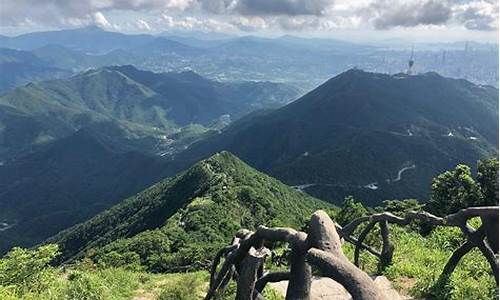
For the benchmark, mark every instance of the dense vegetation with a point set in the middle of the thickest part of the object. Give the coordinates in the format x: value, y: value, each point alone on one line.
x: 178, y: 223
x: 456, y: 189
x: 145, y: 103
x: 69, y: 182
x: 70, y: 148
x: 418, y: 261
x: 216, y: 197
x: 374, y: 136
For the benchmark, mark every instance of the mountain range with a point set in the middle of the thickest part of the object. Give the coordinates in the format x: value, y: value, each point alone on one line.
x: 103, y: 135
x: 70, y: 148
x: 144, y: 103
x: 307, y: 63
x: 21, y: 67
x: 375, y: 136
x: 90, y: 39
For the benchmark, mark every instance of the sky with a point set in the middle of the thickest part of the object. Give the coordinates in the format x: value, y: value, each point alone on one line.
x: 419, y: 20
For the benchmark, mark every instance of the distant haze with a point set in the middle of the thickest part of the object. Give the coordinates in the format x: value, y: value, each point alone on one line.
x: 411, y: 20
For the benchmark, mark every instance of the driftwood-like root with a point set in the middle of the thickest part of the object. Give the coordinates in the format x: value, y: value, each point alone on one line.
x: 485, y: 238
x: 320, y: 248
x: 340, y: 269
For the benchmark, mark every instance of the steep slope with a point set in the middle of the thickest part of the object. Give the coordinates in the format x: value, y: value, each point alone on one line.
x: 41, y: 112
x: 176, y: 221
x: 145, y: 102
x: 67, y: 182
x: 191, y: 98
x: 372, y: 135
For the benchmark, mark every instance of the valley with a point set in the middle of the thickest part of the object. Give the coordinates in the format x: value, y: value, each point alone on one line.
x: 349, y: 150
x: 144, y: 159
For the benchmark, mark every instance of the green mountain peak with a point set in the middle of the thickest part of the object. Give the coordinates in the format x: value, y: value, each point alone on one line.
x: 198, y: 210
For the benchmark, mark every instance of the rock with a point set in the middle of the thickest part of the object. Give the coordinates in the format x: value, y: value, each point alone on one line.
x: 324, y: 288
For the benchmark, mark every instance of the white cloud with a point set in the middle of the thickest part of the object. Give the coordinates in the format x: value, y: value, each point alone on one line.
x: 143, y: 25
x: 305, y: 23
x: 478, y: 15
x: 250, y: 23
x: 101, y: 21
x: 386, y: 14
x: 256, y: 14
x: 68, y: 12
x: 187, y: 23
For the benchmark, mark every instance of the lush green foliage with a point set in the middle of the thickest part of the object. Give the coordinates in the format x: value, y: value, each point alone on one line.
x: 456, y: 189
x: 350, y: 210
x: 487, y: 177
x: 179, y: 223
x: 25, y: 271
x: 26, y: 274
x: 418, y: 262
x: 187, y: 286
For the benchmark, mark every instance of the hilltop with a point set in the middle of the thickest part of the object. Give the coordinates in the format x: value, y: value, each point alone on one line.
x: 181, y: 221
x: 146, y: 103
x: 375, y: 136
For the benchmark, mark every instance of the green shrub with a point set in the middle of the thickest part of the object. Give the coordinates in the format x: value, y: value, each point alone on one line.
x: 27, y: 271
x: 127, y: 260
x: 84, y: 286
x: 271, y: 294
x: 351, y: 209
x: 186, y: 286
x: 423, y: 259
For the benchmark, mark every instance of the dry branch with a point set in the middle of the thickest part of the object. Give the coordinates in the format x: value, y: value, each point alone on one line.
x: 321, y: 247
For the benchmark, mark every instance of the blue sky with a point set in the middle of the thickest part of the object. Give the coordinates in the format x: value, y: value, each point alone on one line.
x: 420, y: 20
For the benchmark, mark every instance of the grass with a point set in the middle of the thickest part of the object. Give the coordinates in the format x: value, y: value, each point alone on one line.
x: 418, y: 262
x: 417, y: 265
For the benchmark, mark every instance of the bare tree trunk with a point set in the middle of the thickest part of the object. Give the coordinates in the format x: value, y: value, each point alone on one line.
x: 490, y: 256
x: 387, y: 246
x: 491, y: 229
x: 361, y: 239
x: 322, y: 249
x: 270, y: 277
x: 249, y: 267
x: 299, y: 285
x: 455, y: 259
x: 331, y: 261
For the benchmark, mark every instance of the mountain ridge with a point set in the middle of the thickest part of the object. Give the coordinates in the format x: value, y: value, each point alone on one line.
x: 202, y: 206
x: 346, y: 123
x: 140, y: 100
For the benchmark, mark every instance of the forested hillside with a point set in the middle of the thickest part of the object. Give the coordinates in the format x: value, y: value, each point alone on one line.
x: 177, y: 223
x: 375, y: 136
x: 235, y: 195
x: 147, y: 104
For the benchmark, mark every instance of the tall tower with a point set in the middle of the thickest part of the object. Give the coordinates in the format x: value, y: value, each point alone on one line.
x: 411, y: 61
